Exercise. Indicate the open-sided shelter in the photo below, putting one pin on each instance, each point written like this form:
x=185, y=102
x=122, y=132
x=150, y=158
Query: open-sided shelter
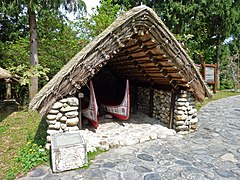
x=139, y=47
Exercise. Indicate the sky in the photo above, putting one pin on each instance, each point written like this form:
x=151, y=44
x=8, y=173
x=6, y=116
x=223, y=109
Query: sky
x=89, y=3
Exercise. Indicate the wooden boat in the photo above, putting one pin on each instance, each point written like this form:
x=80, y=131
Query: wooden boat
x=92, y=111
x=121, y=111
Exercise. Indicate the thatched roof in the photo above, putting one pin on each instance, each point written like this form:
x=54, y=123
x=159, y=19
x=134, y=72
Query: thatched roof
x=4, y=74
x=137, y=46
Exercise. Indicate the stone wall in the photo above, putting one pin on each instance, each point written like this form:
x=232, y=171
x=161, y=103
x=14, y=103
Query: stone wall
x=161, y=105
x=185, y=114
x=143, y=99
x=62, y=117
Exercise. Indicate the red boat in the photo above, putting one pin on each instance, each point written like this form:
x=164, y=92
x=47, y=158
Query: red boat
x=121, y=111
x=92, y=111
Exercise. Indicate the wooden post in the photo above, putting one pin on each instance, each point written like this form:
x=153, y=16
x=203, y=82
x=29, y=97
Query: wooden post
x=215, y=79
x=135, y=99
x=8, y=88
x=172, y=108
x=151, y=102
x=80, y=96
x=209, y=77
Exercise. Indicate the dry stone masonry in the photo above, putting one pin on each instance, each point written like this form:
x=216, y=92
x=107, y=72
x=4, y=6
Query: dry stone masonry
x=143, y=99
x=64, y=114
x=185, y=114
x=63, y=117
x=162, y=103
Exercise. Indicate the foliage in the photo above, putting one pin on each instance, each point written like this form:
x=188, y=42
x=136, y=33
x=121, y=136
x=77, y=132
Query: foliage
x=32, y=155
x=25, y=72
x=57, y=43
x=33, y=9
x=209, y=23
x=101, y=18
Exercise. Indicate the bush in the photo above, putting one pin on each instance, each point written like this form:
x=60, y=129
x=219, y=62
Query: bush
x=226, y=84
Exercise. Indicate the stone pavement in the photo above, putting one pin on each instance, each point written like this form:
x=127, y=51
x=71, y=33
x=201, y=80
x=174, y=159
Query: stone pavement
x=213, y=152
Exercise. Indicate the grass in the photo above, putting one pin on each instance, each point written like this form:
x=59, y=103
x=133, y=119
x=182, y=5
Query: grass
x=218, y=95
x=16, y=129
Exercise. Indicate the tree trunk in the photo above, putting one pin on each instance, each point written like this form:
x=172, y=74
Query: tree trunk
x=218, y=61
x=33, y=88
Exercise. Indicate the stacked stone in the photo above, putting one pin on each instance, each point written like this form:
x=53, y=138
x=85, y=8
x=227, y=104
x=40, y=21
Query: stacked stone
x=185, y=114
x=143, y=99
x=162, y=103
x=62, y=117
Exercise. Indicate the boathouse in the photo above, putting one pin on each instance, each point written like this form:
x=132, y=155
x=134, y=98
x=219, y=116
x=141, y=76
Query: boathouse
x=164, y=82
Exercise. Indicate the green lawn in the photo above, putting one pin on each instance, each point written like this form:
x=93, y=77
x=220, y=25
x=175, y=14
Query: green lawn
x=18, y=128
x=218, y=95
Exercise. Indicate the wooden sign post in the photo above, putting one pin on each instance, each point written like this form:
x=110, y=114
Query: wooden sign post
x=210, y=75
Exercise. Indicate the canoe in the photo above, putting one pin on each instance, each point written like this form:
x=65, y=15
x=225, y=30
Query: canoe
x=91, y=112
x=122, y=110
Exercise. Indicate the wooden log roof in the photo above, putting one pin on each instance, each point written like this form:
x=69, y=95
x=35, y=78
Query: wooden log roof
x=137, y=46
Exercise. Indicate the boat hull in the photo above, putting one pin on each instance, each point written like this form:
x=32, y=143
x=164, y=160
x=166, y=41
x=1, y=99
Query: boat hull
x=91, y=113
x=121, y=111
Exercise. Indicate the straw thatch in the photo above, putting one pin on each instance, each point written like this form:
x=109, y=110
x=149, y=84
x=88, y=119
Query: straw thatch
x=137, y=46
x=4, y=74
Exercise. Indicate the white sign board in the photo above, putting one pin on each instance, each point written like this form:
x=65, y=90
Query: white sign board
x=210, y=74
x=68, y=151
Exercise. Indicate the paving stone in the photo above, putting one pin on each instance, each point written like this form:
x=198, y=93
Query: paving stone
x=145, y=157
x=38, y=172
x=202, y=165
x=236, y=171
x=228, y=157
x=209, y=174
x=196, y=177
x=142, y=169
x=164, y=162
x=212, y=152
x=165, y=152
x=153, y=176
x=51, y=177
x=225, y=165
x=153, y=149
x=112, y=175
x=92, y=173
x=224, y=173
x=182, y=162
x=109, y=165
x=193, y=169
x=131, y=174
x=161, y=169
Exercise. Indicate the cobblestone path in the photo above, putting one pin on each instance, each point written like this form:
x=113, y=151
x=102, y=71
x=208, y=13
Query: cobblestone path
x=213, y=152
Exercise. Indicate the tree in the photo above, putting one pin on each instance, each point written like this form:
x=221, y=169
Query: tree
x=57, y=43
x=101, y=18
x=210, y=22
x=33, y=10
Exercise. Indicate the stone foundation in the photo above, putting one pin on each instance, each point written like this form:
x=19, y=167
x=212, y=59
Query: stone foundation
x=62, y=117
x=161, y=104
x=143, y=99
x=185, y=114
